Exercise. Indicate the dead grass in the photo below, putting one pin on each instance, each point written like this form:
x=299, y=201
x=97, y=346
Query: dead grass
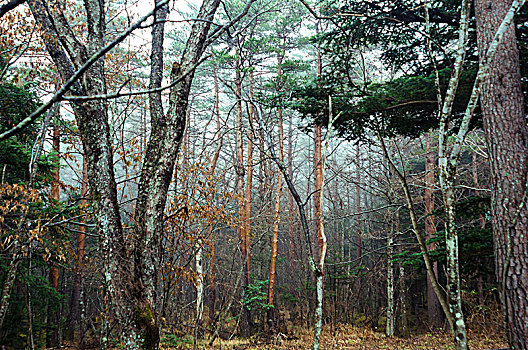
x=354, y=338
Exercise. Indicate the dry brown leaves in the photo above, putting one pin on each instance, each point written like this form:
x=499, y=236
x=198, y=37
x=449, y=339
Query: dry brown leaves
x=357, y=338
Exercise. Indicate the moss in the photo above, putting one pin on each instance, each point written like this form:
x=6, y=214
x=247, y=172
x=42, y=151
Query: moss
x=149, y=329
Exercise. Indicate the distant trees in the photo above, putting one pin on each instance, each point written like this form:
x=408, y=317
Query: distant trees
x=188, y=177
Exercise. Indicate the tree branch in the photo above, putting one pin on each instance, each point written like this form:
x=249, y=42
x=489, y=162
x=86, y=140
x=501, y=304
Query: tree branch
x=66, y=87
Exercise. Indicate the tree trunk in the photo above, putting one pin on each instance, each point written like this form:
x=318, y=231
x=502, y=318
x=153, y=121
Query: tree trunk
x=165, y=141
x=482, y=221
x=389, y=331
x=249, y=179
x=128, y=282
x=211, y=235
x=271, y=315
x=507, y=140
x=240, y=172
x=53, y=324
x=358, y=207
x=434, y=310
x=419, y=236
x=75, y=313
x=92, y=120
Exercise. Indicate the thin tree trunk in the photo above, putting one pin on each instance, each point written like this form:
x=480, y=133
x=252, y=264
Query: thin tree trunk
x=390, y=282
x=240, y=172
x=211, y=235
x=276, y=217
x=52, y=334
x=358, y=206
x=434, y=310
x=75, y=314
x=10, y=280
x=482, y=221
x=249, y=179
x=419, y=236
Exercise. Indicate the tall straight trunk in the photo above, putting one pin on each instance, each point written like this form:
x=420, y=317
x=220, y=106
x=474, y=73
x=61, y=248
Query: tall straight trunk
x=318, y=219
x=318, y=178
x=249, y=178
x=453, y=270
x=507, y=141
x=389, y=331
x=434, y=310
x=52, y=334
x=291, y=206
x=199, y=289
x=76, y=312
x=240, y=172
x=482, y=222
x=276, y=215
x=358, y=206
x=211, y=235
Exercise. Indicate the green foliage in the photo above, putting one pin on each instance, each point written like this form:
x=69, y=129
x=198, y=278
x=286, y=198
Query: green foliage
x=172, y=340
x=475, y=243
x=255, y=295
x=17, y=103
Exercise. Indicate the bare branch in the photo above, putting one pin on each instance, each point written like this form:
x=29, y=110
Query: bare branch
x=66, y=87
x=9, y=6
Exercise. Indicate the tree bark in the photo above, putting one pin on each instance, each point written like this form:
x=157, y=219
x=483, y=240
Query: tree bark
x=389, y=331
x=507, y=141
x=271, y=314
x=358, y=206
x=211, y=235
x=128, y=282
x=249, y=178
x=419, y=236
x=76, y=312
x=53, y=323
x=245, y=330
x=434, y=310
x=164, y=143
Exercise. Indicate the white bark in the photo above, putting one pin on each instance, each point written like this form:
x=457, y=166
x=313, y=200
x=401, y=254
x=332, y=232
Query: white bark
x=390, y=286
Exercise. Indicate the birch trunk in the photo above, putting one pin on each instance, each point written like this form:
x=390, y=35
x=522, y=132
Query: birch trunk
x=390, y=283
x=358, y=206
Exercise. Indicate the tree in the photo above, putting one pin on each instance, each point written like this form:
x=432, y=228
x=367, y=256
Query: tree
x=507, y=140
x=130, y=285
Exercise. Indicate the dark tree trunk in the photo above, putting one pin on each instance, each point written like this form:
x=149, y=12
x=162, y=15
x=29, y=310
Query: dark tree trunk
x=507, y=140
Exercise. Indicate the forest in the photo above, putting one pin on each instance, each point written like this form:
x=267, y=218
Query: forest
x=263, y=174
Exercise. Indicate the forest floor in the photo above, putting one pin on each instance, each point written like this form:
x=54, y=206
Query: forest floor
x=351, y=338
